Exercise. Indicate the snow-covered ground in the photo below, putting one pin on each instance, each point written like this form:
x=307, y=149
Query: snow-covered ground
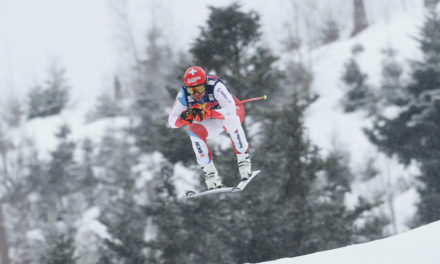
x=420, y=246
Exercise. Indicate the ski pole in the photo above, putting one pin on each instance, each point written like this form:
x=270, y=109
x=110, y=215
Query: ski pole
x=264, y=97
x=216, y=115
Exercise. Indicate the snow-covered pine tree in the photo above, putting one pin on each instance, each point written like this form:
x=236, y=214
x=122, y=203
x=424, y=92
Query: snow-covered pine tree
x=61, y=178
x=60, y=249
x=108, y=103
x=125, y=221
x=36, y=107
x=22, y=211
x=53, y=182
x=50, y=98
x=391, y=92
x=57, y=90
x=358, y=95
x=152, y=75
x=87, y=178
x=413, y=134
x=123, y=216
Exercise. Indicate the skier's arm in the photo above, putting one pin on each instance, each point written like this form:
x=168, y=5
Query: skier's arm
x=226, y=101
x=180, y=105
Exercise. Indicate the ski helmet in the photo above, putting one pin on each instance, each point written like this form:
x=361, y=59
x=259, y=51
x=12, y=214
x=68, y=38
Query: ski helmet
x=194, y=76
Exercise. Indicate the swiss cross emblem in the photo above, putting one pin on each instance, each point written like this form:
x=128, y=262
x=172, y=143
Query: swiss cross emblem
x=192, y=71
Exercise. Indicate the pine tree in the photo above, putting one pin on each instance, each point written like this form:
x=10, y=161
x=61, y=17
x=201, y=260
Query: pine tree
x=55, y=181
x=164, y=137
x=36, y=106
x=151, y=98
x=114, y=162
x=60, y=249
x=122, y=214
x=228, y=45
x=50, y=98
x=106, y=106
x=87, y=178
x=412, y=135
x=125, y=221
x=359, y=95
x=62, y=165
x=392, y=90
x=57, y=90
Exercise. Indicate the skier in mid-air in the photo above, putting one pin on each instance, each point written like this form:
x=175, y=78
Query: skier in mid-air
x=206, y=105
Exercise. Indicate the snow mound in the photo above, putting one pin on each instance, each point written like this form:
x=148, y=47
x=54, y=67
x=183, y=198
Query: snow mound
x=419, y=245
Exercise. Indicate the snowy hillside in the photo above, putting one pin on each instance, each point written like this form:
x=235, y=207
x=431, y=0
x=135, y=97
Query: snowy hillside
x=330, y=128
x=416, y=246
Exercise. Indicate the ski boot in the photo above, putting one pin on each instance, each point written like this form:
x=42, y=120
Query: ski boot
x=212, y=180
x=244, y=166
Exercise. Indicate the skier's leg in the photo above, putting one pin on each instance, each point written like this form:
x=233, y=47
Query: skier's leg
x=198, y=135
x=241, y=146
x=236, y=132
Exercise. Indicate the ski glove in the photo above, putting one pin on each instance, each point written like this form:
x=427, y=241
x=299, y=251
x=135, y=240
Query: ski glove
x=186, y=117
x=197, y=114
x=200, y=113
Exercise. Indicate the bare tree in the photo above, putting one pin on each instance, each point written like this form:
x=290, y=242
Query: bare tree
x=330, y=31
x=147, y=55
x=431, y=4
x=4, y=147
x=359, y=17
x=12, y=112
x=4, y=255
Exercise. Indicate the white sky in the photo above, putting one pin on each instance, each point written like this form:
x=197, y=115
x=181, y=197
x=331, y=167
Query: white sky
x=80, y=35
x=33, y=34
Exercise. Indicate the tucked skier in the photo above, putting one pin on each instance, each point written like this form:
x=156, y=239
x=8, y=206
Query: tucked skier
x=207, y=107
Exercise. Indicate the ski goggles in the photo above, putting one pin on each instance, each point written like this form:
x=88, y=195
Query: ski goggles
x=196, y=89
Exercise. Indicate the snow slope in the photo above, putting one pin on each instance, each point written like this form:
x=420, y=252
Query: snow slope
x=416, y=246
x=330, y=128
